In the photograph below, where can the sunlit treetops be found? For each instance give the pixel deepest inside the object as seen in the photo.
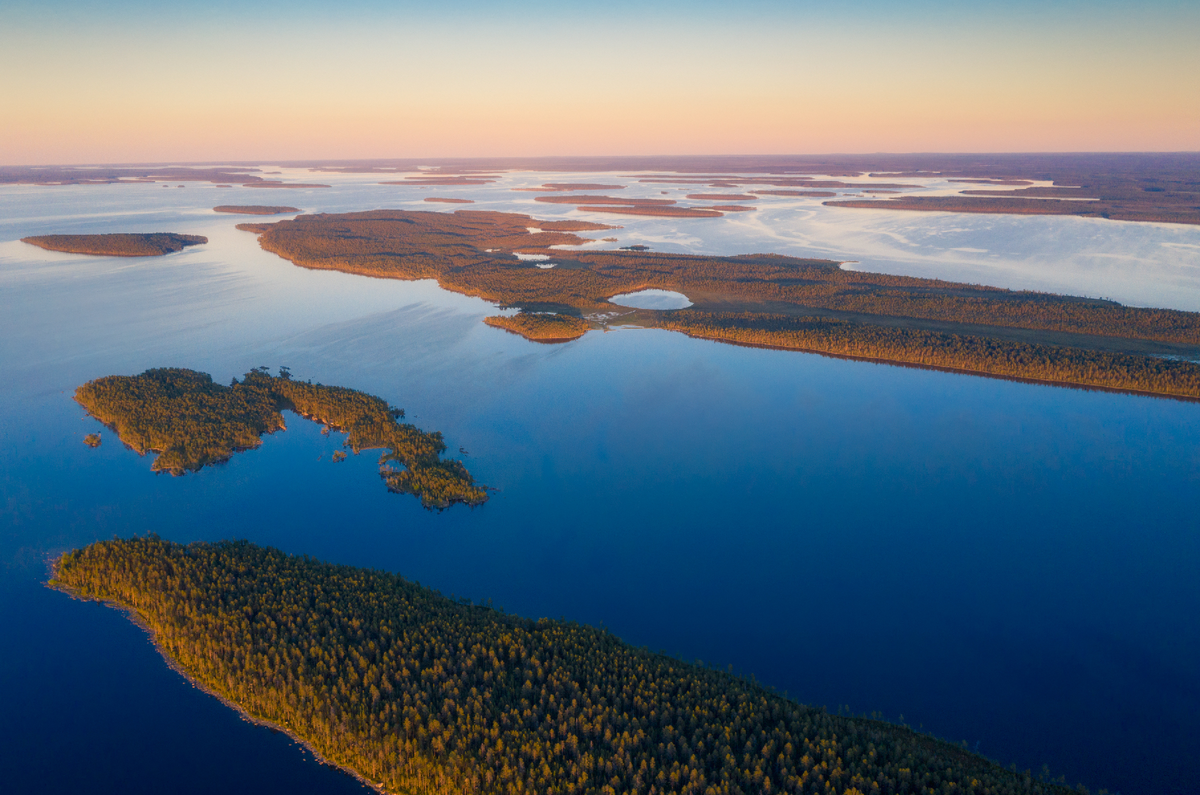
(121, 244)
(940, 350)
(472, 252)
(541, 326)
(191, 422)
(423, 694)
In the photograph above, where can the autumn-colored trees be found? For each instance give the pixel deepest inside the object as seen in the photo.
(832, 310)
(192, 422)
(430, 695)
(541, 326)
(117, 244)
(967, 352)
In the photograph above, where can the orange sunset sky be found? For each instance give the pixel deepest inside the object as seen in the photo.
(89, 82)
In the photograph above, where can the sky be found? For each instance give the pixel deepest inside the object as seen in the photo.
(221, 81)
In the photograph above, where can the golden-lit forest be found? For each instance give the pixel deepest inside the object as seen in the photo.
(541, 326)
(965, 352)
(429, 695)
(762, 299)
(191, 422)
(118, 244)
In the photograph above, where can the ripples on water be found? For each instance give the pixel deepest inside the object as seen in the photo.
(999, 562)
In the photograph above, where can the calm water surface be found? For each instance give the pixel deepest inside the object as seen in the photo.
(1000, 563)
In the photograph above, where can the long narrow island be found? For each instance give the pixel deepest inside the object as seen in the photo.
(117, 244)
(760, 299)
(418, 693)
(192, 422)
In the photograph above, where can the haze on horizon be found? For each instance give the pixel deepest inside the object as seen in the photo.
(89, 82)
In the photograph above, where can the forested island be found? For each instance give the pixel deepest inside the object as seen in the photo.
(764, 299)
(192, 422)
(418, 693)
(120, 244)
(255, 209)
(541, 326)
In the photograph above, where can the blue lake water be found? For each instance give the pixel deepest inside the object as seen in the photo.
(1006, 564)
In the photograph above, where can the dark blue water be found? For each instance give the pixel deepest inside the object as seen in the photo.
(1006, 564)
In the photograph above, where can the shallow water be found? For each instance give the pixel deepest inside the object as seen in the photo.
(1006, 564)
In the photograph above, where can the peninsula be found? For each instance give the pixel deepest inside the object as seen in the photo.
(763, 299)
(415, 692)
(152, 244)
(191, 422)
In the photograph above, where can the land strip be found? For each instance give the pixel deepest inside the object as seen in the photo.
(473, 253)
(416, 692)
(120, 244)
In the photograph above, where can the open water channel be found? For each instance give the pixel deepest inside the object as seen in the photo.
(1007, 564)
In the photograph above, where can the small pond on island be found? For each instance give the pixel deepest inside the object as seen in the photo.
(652, 299)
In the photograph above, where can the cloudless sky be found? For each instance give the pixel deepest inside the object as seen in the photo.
(222, 80)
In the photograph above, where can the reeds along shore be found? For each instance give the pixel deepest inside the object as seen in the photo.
(427, 695)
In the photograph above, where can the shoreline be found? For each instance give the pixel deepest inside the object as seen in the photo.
(942, 368)
(138, 620)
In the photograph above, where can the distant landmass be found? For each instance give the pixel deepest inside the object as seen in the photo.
(763, 299)
(415, 692)
(121, 244)
(255, 209)
(1147, 187)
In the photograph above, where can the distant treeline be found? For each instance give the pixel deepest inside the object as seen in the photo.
(192, 422)
(427, 695)
(967, 352)
(255, 209)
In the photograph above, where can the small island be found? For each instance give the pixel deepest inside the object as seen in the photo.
(549, 327)
(92, 440)
(440, 200)
(122, 244)
(608, 200)
(721, 197)
(656, 211)
(815, 193)
(255, 209)
(274, 183)
(569, 186)
(439, 181)
(192, 422)
(415, 692)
